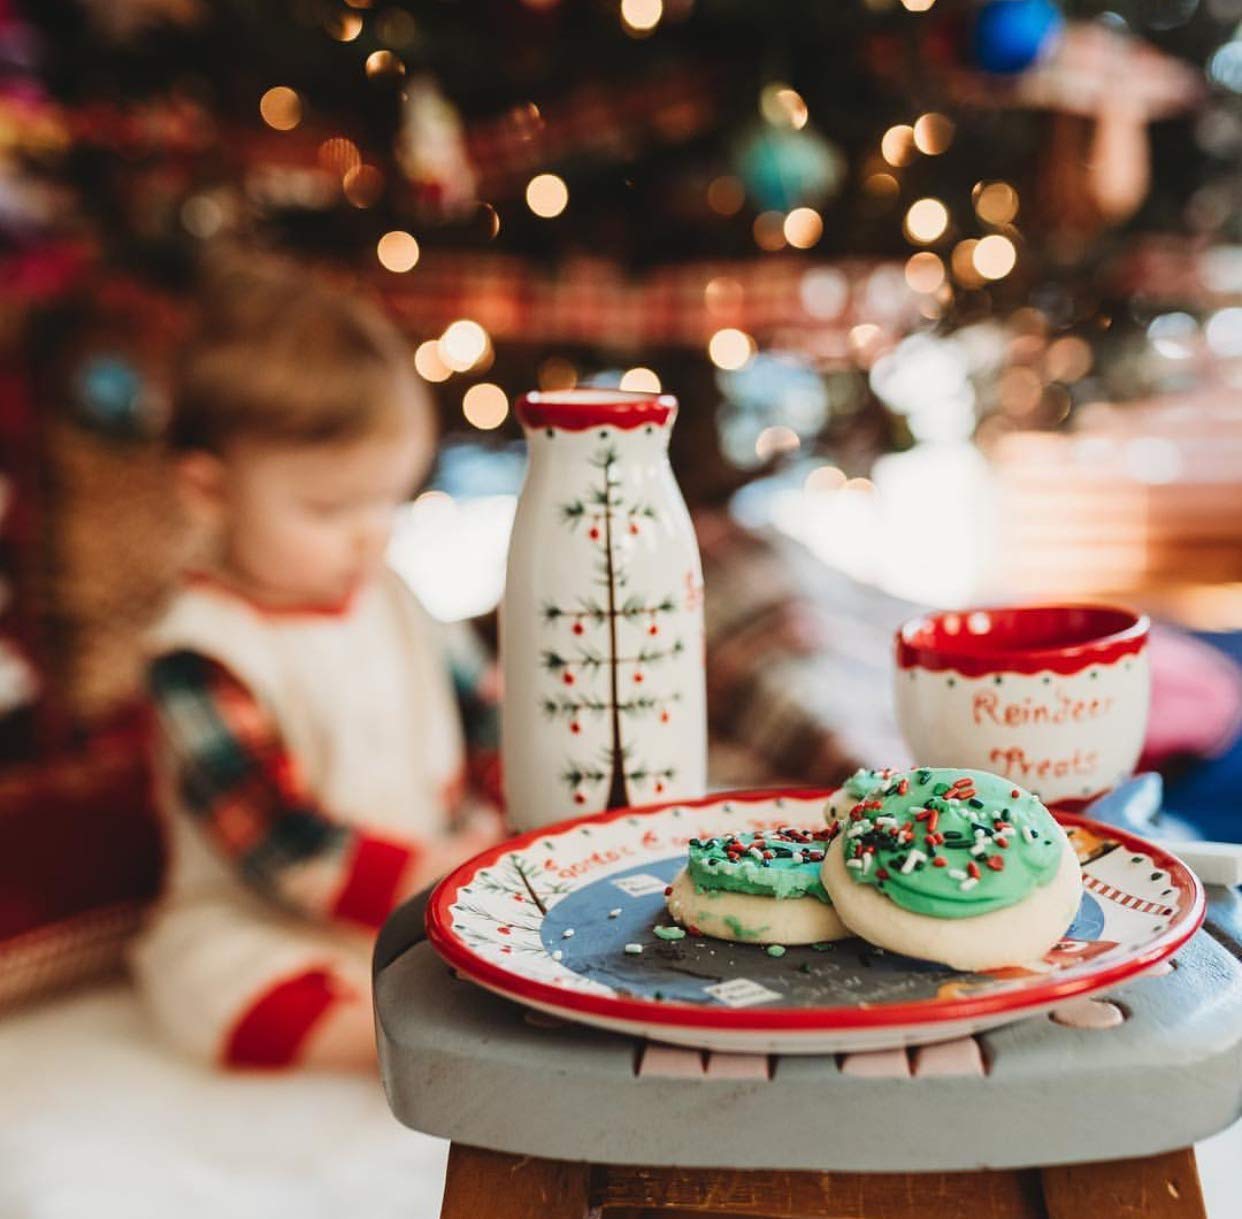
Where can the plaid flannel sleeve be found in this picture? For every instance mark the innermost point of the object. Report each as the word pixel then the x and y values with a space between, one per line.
pixel 235 777
pixel 768 657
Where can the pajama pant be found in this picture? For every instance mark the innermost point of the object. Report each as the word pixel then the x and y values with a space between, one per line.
pixel 232 982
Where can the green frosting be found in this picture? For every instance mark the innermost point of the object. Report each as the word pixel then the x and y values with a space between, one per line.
pixel 774 863
pixel 948 843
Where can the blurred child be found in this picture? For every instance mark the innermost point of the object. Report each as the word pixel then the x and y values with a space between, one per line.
pixel 310 751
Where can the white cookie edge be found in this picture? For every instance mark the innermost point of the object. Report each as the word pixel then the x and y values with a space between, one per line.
pixel 783 920
pixel 1016 935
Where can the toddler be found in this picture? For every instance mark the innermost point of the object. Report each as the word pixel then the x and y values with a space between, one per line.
pixel 310 751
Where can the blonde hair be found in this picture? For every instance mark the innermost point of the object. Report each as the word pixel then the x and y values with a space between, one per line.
pixel 280 356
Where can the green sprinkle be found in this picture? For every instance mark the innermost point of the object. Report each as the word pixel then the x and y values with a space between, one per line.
pixel 805 967
pixel 940 789
pixel 776 950
pixel 670 933
pixel 822 946
pixel 975 802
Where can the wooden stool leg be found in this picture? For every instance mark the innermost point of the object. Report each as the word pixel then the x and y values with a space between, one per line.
pixel 1158 1187
pixel 494 1185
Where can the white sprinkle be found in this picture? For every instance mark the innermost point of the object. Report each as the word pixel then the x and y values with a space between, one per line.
pixel 912 859
pixel 1003 826
pixel 980 848
pixel 969 883
pixel 633 949
pixel 615 913
pixel 886 820
pixel 557 955
pixel 567 933
pixel 957 874
pixel 798 857
pixel 853 863
pixel 866 863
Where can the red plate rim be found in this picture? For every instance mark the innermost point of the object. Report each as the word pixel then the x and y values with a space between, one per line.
pixel 796 1020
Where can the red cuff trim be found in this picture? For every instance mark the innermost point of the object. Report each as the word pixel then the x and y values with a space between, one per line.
pixel 370 890
pixel 271 1031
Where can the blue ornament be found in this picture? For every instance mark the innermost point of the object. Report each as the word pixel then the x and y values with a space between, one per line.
pixel 783 169
pixel 111 395
pixel 1010 35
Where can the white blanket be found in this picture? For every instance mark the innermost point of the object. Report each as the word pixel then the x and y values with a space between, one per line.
pixel 97 1121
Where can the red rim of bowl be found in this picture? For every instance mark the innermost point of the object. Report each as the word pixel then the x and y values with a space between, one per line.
pixel 576 410
pixel 924 643
pixel 795 1020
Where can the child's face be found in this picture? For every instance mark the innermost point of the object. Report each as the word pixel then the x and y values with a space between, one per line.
pixel 308 525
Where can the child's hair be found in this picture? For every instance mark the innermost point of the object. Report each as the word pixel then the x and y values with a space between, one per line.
pixel 279 356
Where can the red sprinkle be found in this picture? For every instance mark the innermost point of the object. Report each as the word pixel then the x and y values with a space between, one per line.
pixel 939 861
pixel 1013 795
pixel 1002 842
pixel 668 889
pixel 996 863
pixel 903 787
pixel 924 815
pixel 933 820
pixel 881 873
pixel 972 869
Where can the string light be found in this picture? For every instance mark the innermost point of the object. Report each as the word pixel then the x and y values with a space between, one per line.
pixel 485 406
pixel 547 195
pixel 783 107
pixel 773 441
pixel 769 231
pixel 463 344
pixel 641 16
pixel 339 155
pixel 363 185
pixel 803 227
pixel 384 63
pixel 344 27
pixel 641 379
pixel 897 145
pixel 933 133
pixel 824 479
pixel 557 373
pixel 924 271
pixel 725 195
pixel 926 220
pixel 397 251
pixel 730 348
pixel 994 256
pixel 281 108
pixel 963 262
pixel 428 364
pixel 995 202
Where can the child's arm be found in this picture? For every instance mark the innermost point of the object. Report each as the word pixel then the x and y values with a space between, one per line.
pixel 235 777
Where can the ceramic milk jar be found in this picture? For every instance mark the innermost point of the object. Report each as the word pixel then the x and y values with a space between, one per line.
pixel 601 626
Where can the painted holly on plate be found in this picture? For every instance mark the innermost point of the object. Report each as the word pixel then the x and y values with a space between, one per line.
pixel 565 919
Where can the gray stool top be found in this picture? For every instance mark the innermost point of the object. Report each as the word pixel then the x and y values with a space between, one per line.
pixel 469 1066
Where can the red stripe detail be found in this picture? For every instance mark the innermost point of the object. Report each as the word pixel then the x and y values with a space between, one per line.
pixel 371 888
pixel 576 410
pixel 273 1028
pixel 1062 639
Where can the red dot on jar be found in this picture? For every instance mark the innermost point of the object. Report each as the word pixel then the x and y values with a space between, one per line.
pixel 594 535
pixel 659 787
pixel 653 629
pixel 633 528
pixel 638 677
pixel 663 717
pixel 578 628
pixel 568 679
pixel 575 728
pixel 579 798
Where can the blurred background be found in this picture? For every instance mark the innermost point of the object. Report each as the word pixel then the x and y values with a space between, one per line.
pixel 951 295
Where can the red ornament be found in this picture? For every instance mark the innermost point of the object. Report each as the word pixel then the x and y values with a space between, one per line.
pixel 568 679
pixel 633 528
pixel 659 787
pixel 663 717
pixel 578 628
pixel 653 629
pixel 638 677
pixel 579 798
pixel 575 728
pixel 594 535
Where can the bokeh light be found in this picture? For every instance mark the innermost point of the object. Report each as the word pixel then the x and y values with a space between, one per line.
pixel 723 295
pixel 485 406
pixel 824 479
pixel 363 185
pixel 1068 358
pixel 897 145
pixel 775 440
pixel 783 107
pixel 926 220
pixel 339 155
pixel 924 271
pixel 725 195
pixel 917 6
pixel 384 63
pixel 641 16
pixel 769 231
pixel 994 257
pixel 995 202
pixel 397 251
pixel 427 362
pixel 962 261
pixel 343 26
pixel 557 373
pixel 644 380
pixel 730 348
pixel 933 133
pixel 547 195
pixel 281 108
pixel 463 344
pixel 803 227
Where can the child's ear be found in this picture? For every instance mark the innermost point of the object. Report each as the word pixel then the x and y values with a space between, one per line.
pixel 200 480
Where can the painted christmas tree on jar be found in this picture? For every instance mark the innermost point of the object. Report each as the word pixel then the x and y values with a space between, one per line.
pixel 602 622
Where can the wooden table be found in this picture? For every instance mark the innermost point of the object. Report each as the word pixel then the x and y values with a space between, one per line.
pixel 1090 1114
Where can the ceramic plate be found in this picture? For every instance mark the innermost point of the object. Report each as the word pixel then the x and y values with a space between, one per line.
pixel 545 919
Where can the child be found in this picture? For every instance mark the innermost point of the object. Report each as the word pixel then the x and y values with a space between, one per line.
pixel 309 751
